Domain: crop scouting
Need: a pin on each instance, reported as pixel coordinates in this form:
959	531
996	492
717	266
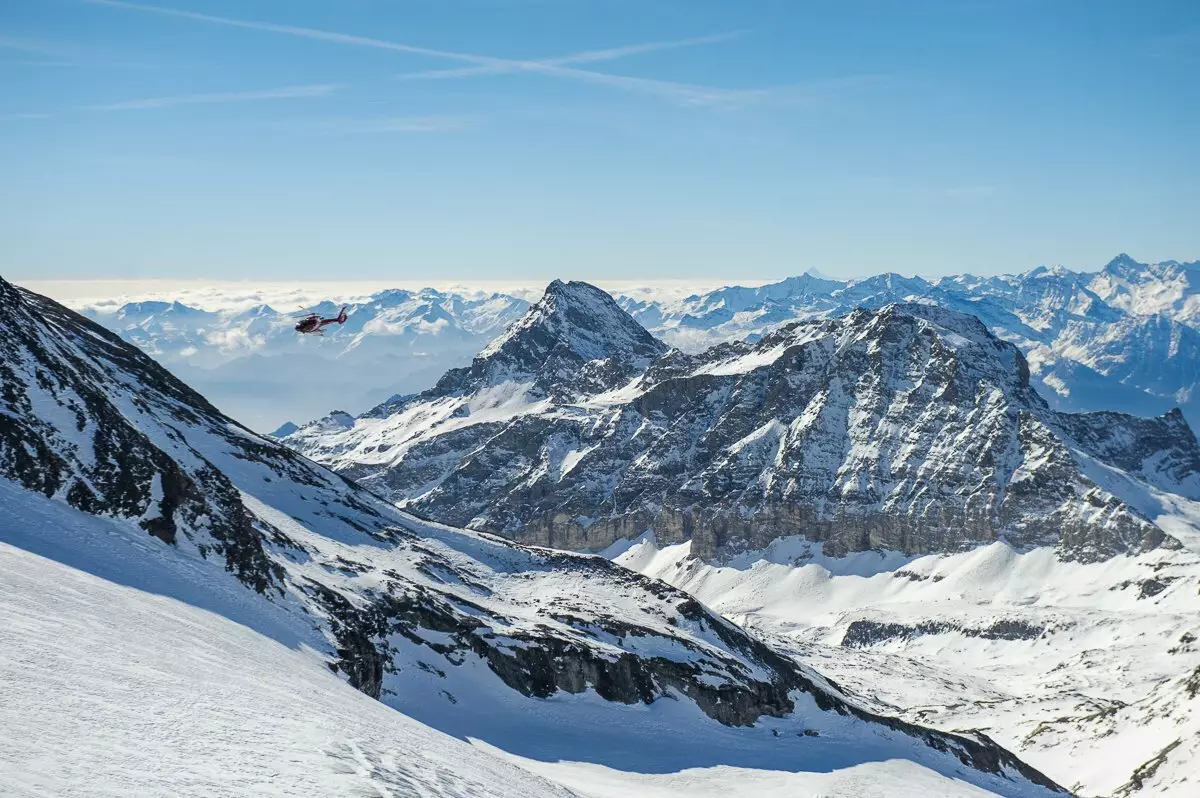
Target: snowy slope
112	690
1087	670
112	467
147	676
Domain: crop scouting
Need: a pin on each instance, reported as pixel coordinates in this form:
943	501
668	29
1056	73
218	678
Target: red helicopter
313	323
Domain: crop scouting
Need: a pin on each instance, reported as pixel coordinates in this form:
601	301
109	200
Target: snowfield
1088	671
112	688
128	670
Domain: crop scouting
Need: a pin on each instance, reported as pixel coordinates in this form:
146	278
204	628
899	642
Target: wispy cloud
211	98
683	93
61	54
395	124
284	93
306	33
20	116
55	50
965	192
37	63
586	57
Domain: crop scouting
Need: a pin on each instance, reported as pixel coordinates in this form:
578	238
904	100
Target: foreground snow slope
111	690
1090	671
145	674
110	465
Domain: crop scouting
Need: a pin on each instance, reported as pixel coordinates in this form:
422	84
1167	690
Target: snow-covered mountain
575	342
259	370
186	590
1169	288
1124	338
885	492
910	428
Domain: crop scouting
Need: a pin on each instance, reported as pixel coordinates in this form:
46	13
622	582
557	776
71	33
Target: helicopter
312	323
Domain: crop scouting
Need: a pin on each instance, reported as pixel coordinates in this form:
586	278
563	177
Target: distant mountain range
257	368
1123	338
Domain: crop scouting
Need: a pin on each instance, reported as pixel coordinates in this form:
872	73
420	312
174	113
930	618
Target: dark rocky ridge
574	342
862	633
102	463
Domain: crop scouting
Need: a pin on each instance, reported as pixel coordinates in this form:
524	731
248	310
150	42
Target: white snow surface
129	668
112	690
1105	682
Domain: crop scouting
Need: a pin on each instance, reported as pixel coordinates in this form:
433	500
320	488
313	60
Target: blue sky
594	139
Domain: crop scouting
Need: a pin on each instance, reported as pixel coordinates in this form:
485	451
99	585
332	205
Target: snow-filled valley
1088	671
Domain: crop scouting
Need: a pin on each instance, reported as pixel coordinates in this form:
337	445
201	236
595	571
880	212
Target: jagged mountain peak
576	340
582	317
145	306
140	312
284	429
1122	262
1049	272
947	318
954	329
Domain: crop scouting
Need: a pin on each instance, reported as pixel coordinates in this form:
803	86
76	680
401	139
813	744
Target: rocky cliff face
90	420
910	427
406	610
